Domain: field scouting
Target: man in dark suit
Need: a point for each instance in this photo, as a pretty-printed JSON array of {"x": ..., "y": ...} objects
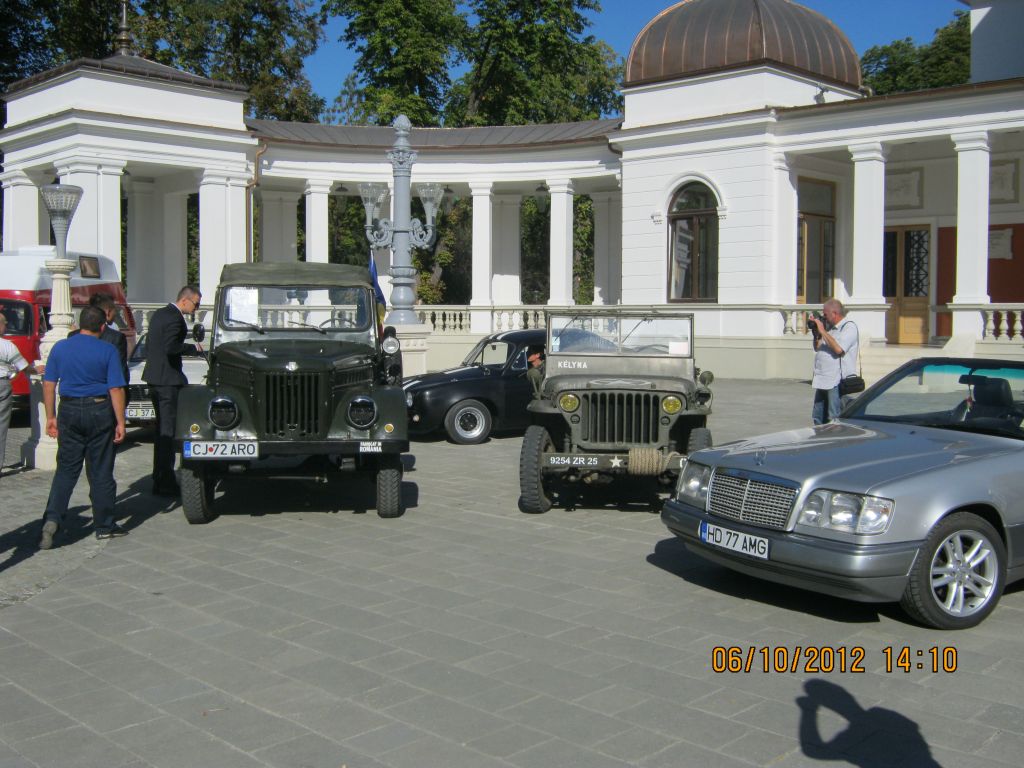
[{"x": 165, "y": 342}]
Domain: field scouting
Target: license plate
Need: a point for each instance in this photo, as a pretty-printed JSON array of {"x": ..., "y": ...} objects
[
  {"x": 141, "y": 413},
  {"x": 573, "y": 461},
  {"x": 744, "y": 543},
  {"x": 221, "y": 449}
]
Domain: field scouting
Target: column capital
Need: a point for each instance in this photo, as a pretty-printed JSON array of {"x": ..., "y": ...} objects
[
  {"x": 481, "y": 188},
  {"x": 279, "y": 196},
  {"x": 970, "y": 140},
  {"x": 223, "y": 178},
  {"x": 16, "y": 178},
  {"x": 102, "y": 167},
  {"x": 781, "y": 162},
  {"x": 873, "y": 150},
  {"x": 559, "y": 186},
  {"x": 318, "y": 186},
  {"x": 606, "y": 197}
]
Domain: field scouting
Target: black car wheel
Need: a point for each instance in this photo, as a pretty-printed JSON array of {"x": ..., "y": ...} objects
[
  {"x": 389, "y": 486},
  {"x": 958, "y": 576},
  {"x": 533, "y": 496},
  {"x": 197, "y": 489},
  {"x": 468, "y": 422},
  {"x": 700, "y": 437}
]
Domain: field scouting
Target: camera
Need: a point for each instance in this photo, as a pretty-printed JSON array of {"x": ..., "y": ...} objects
[{"x": 813, "y": 326}]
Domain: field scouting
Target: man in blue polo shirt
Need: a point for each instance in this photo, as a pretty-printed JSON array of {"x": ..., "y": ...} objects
[{"x": 89, "y": 423}]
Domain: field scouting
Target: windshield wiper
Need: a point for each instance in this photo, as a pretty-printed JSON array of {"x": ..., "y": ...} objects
[
  {"x": 633, "y": 330},
  {"x": 246, "y": 323},
  {"x": 321, "y": 331}
]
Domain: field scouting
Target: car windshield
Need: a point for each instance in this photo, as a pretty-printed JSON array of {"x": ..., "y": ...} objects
[
  {"x": 139, "y": 353},
  {"x": 489, "y": 353},
  {"x": 295, "y": 312},
  {"x": 638, "y": 335},
  {"x": 19, "y": 317},
  {"x": 986, "y": 397}
]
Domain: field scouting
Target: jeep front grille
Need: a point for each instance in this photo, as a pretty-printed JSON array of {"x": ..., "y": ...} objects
[
  {"x": 347, "y": 377},
  {"x": 292, "y": 405},
  {"x": 755, "y": 500},
  {"x": 620, "y": 418}
]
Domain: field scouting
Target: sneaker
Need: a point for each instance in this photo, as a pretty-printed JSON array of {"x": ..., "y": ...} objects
[
  {"x": 111, "y": 532},
  {"x": 49, "y": 531}
]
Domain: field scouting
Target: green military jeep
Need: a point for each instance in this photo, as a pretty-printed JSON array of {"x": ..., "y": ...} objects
[
  {"x": 620, "y": 396},
  {"x": 303, "y": 382}
]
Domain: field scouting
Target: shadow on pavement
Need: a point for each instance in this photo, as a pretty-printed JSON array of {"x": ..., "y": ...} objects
[
  {"x": 670, "y": 555},
  {"x": 872, "y": 737},
  {"x": 23, "y": 542}
]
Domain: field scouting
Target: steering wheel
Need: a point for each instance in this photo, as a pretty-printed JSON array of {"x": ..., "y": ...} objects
[{"x": 337, "y": 322}]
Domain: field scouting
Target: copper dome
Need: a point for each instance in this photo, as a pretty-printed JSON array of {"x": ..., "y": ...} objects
[{"x": 698, "y": 36}]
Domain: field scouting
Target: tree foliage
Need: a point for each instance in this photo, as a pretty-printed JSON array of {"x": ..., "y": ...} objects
[
  {"x": 405, "y": 49},
  {"x": 903, "y": 66},
  {"x": 530, "y": 63}
]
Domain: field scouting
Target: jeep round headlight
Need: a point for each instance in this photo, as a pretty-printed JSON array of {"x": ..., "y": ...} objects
[
  {"x": 568, "y": 402},
  {"x": 671, "y": 405},
  {"x": 362, "y": 412},
  {"x": 224, "y": 413},
  {"x": 390, "y": 345}
]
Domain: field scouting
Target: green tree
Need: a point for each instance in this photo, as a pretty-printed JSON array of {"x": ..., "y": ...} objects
[
  {"x": 24, "y": 40},
  {"x": 405, "y": 49},
  {"x": 530, "y": 63},
  {"x": 260, "y": 44},
  {"x": 902, "y": 66}
]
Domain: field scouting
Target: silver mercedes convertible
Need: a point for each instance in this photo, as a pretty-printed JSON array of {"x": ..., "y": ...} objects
[{"x": 916, "y": 495}]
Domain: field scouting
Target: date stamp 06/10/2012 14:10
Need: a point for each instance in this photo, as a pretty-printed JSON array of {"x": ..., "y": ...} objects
[{"x": 825, "y": 659}]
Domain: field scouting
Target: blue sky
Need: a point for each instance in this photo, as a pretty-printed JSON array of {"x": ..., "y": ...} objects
[{"x": 865, "y": 22}]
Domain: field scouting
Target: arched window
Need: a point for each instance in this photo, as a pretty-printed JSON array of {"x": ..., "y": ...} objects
[{"x": 693, "y": 244}]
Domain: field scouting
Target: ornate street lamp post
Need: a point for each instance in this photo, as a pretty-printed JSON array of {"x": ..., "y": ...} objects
[
  {"x": 61, "y": 201},
  {"x": 404, "y": 232}
]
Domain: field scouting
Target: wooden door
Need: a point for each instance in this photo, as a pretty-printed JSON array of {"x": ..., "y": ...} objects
[{"x": 906, "y": 284}]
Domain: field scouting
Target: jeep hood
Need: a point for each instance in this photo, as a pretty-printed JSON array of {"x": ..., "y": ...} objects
[
  {"x": 856, "y": 455},
  {"x": 319, "y": 355}
]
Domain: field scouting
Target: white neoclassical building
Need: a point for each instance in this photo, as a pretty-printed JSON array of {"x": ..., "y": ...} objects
[{"x": 749, "y": 178}]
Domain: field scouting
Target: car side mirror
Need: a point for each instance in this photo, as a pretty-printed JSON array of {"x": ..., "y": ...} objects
[{"x": 198, "y": 332}]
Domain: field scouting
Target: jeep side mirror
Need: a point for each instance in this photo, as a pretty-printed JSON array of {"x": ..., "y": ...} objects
[
  {"x": 706, "y": 377},
  {"x": 198, "y": 332}
]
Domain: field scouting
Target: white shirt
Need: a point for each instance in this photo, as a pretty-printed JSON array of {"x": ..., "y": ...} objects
[
  {"x": 829, "y": 367},
  {"x": 11, "y": 361}
]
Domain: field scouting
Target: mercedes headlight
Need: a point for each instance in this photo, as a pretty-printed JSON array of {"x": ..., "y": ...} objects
[
  {"x": 224, "y": 413},
  {"x": 568, "y": 402},
  {"x": 848, "y": 512},
  {"x": 362, "y": 412},
  {"x": 693, "y": 484}
]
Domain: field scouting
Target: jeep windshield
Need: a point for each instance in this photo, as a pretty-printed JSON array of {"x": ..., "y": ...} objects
[
  {"x": 639, "y": 335},
  {"x": 294, "y": 312}
]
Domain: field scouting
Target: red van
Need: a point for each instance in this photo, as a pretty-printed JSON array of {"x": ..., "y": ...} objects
[{"x": 25, "y": 285}]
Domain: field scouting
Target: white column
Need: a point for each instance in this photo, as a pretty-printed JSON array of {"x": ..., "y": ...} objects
[
  {"x": 868, "y": 223},
  {"x": 317, "y": 192},
  {"x": 173, "y": 272},
  {"x": 506, "y": 285},
  {"x": 607, "y": 207},
  {"x": 144, "y": 260},
  {"x": 972, "y": 180},
  {"x": 483, "y": 254},
  {"x": 561, "y": 242},
  {"x": 22, "y": 209},
  {"x": 222, "y": 224},
  {"x": 279, "y": 226},
  {"x": 787, "y": 210},
  {"x": 96, "y": 227}
]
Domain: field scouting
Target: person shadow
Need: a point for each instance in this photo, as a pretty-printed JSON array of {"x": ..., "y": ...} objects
[{"x": 870, "y": 738}]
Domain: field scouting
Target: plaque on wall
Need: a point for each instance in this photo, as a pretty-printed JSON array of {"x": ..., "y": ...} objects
[
  {"x": 1003, "y": 184},
  {"x": 1000, "y": 243},
  {"x": 904, "y": 188}
]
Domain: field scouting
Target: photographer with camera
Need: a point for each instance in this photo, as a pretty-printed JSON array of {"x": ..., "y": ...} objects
[{"x": 837, "y": 351}]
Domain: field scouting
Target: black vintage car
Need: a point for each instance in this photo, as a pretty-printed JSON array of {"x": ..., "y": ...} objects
[
  {"x": 488, "y": 392},
  {"x": 302, "y": 381}
]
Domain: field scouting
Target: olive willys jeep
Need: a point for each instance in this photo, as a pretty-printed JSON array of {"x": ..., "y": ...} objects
[
  {"x": 303, "y": 382},
  {"x": 620, "y": 396}
]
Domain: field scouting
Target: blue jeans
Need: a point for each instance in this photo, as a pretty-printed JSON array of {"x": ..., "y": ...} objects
[
  {"x": 826, "y": 405},
  {"x": 85, "y": 433}
]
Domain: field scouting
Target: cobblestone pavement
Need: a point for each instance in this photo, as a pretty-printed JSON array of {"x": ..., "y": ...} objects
[{"x": 299, "y": 629}]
